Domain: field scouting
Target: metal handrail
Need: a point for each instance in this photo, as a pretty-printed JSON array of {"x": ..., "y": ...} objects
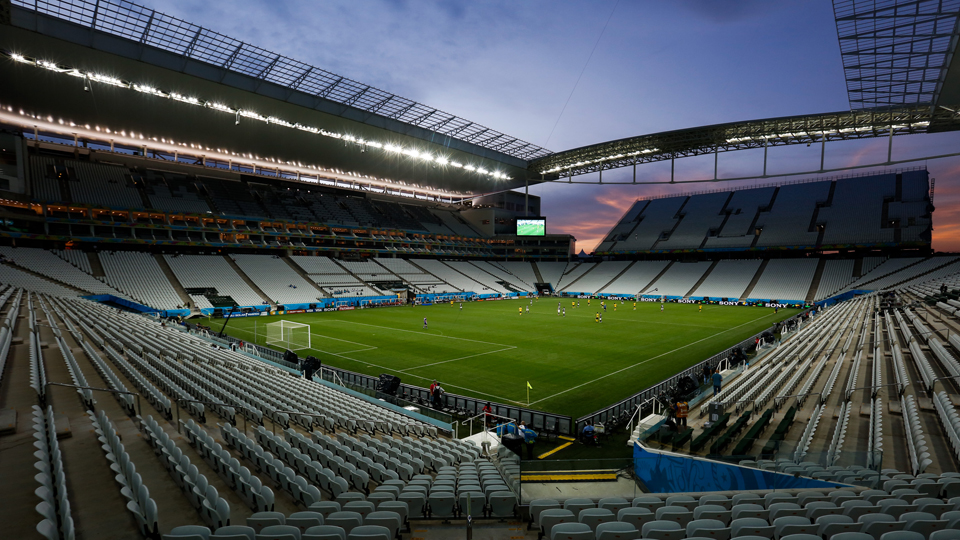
[{"x": 96, "y": 389}]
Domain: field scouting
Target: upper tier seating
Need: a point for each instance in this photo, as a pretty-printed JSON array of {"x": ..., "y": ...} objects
[
  {"x": 788, "y": 220},
  {"x": 105, "y": 185},
  {"x": 880, "y": 208},
  {"x": 743, "y": 208},
  {"x": 700, "y": 215}
]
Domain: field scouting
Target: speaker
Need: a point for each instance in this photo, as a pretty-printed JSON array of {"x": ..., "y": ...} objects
[
  {"x": 291, "y": 357},
  {"x": 389, "y": 384}
]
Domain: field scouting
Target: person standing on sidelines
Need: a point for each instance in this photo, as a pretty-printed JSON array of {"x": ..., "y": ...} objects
[
  {"x": 717, "y": 379},
  {"x": 681, "y": 413}
]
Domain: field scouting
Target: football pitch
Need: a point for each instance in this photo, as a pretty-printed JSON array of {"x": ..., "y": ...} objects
[{"x": 489, "y": 351}]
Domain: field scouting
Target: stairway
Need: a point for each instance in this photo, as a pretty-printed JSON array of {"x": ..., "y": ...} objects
[
  {"x": 753, "y": 282},
  {"x": 536, "y": 272},
  {"x": 246, "y": 279},
  {"x": 654, "y": 280},
  {"x": 701, "y": 280},
  {"x": 815, "y": 284},
  {"x": 358, "y": 278},
  {"x": 568, "y": 285},
  {"x": 411, "y": 261},
  {"x": 96, "y": 269},
  {"x": 172, "y": 278},
  {"x": 616, "y": 276},
  {"x": 296, "y": 268}
]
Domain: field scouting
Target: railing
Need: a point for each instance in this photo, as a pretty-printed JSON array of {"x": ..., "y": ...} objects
[{"x": 645, "y": 397}]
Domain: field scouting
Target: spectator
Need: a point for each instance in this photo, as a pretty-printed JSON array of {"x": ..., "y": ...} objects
[
  {"x": 681, "y": 409},
  {"x": 529, "y": 438},
  {"x": 717, "y": 379},
  {"x": 487, "y": 411}
]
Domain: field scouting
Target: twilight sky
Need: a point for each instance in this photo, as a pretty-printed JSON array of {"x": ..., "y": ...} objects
[{"x": 657, "y": 66}]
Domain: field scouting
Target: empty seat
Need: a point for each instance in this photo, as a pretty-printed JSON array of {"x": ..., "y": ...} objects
[
  {"x": 636, "y": 516},
  {"x": 344, "y": 519},
  {"x": 663, "y": 530},
  {"x": 751, "y": 526},
  {"x": 279, "y": 532},
  {"x": 616, "y": 530},
  {"x": 708, "y": 528},
  {"x": 788, "y": 525},
  {"x": 188, "y": 532},
  {"x": 234, "y": 532},
  {"x": 554, "y": 516},
  {"x": 260, "y": 520},
  {"x": 830, "y": 525},
  {"x": 577, "y": 504},
  {"x": 299, "y": 519},
  {"x": 370, "y": 532},
  {"x": 324, "y": 532},
  {"x": 595, "y": 516},
  {"x": 571, "y": 531},
  {"x": 876, "y": 525}
]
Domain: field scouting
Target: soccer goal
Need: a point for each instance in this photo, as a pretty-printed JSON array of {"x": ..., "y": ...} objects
[{"x": 289, "y": 335}]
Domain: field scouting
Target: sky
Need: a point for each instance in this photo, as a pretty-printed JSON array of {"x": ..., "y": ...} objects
[{"x": 564, "y": 74}]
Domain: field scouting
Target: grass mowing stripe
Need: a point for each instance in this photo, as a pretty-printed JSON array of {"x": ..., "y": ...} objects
[{"x": 644, "y": 361}]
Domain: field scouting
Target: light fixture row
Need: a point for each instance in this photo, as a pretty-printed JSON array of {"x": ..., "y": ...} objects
[
  {"x": 412, "y": 153},
  {"x": 327, "y": 176}
]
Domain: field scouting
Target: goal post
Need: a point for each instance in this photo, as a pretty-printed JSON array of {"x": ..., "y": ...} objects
[{"x": 288, "y": 335}]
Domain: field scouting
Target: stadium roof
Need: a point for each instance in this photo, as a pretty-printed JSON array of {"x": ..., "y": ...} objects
[
  {"x": 149, "y": 27},
  {"x": 806, "y": 129},
  {"x": 899, "y": 52}
]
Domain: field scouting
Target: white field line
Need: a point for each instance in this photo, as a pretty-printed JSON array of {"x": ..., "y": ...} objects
[
  {"x": 456, "y": 359},
  {"x": 478, "y": 392},
  {"x": 645, "y": 361},
  {"x": 419, "y": 332}
]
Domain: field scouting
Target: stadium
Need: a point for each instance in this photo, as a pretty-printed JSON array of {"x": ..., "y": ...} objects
[{"x": 245, "y": 297}]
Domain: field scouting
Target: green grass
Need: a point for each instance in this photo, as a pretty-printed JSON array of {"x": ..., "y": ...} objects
[{"x": 488, "y": 351}]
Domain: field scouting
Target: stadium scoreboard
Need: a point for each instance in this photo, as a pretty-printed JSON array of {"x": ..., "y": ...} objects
[{"x": 532, "y": 227}]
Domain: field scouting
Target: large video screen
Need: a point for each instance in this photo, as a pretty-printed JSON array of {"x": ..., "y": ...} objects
[{"x": 532, "y": 227}]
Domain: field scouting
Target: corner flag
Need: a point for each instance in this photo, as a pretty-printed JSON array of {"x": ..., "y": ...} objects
[
  {"x": 528, "y": 385},
  {"x": 529, "y": 388}
]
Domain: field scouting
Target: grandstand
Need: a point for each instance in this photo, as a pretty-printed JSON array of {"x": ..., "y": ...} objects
[{"x": 126, "y": 256}]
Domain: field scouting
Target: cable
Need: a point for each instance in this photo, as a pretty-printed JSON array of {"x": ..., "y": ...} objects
[{"x": 574, "y": 89}]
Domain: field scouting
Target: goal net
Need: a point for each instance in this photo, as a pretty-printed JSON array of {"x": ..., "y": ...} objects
[{"x": 289, "y": 335}]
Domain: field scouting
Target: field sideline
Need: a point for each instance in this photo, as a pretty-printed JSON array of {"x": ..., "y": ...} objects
[{"x": 488, "y": 351}]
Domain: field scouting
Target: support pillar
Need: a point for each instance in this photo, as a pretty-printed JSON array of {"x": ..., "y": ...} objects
[
  {"x": 890, "y": 145},
  {"x": 764, "y": 159},
  {"x": 823, "y": 150}
]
